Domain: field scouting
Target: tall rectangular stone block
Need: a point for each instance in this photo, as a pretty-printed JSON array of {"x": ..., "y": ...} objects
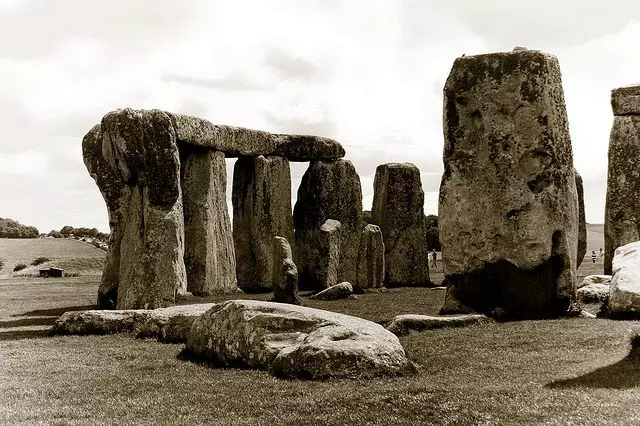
[{"x": 508, "y": 209}]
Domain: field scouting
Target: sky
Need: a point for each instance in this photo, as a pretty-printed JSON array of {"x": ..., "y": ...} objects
[{"x": 368, "y": 73}]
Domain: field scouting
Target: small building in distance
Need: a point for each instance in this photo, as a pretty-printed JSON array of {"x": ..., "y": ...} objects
[{"x": 51, "y": 272}]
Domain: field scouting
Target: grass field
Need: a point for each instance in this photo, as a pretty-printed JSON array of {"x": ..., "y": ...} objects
[
  {"x": 568, "y": 371},
  {"x": 76, "y": 257}
]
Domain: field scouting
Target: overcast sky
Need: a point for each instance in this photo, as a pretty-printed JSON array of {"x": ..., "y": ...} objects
[{"x": 368, "y": 73}]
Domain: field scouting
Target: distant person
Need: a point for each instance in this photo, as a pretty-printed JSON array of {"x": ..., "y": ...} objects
[
  {"x": 434, "y": 258},
  {"x": 593, "y": 256},
  {"x": 601, "y": 253}
]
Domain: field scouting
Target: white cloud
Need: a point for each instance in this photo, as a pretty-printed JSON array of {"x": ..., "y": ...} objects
[{"x": 25, "y": 163}]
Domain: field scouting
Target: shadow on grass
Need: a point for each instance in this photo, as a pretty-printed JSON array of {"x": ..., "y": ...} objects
[
  {"x": 624, "y": 374},
  {"x": 24, "y": 334},
  {"x": 26, "y": 322},
  {"x": 55, "y": 311}
]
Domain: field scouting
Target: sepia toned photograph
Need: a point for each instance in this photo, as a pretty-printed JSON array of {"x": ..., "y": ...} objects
[{"x": 319, "y": 212}]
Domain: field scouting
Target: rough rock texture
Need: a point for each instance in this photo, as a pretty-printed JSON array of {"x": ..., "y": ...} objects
[
  {"x": 404, "y": 324},
  {"x": 624, "y": 293},
  {"x": 508, "y": 209},
  {"x": 117, "y": 196},
  {"x": 237, "y": 141},
  {"x": 322, "y": 255},
  {"x": 626, "y": 100},
  {"x": 622, "y": 208},
  {"x": 261, "y": 210},
  {"x": 209, "y": 251},
  {"x": 595, "y": 279},
  {"x": 170, "y": 324},
  {"x": 329, "y": 190},
  {"x": 141, "y": 146},
  {"x": 284, "y": 276},
  {"x": 398, "y": 209},
  {"x": 593, "y": 293},
  {"x": 582, "y": 222},
  {"x": 294, "y": 341},
  {"x": 371, "y": 266},
  {"x": 335, "y": 292}
]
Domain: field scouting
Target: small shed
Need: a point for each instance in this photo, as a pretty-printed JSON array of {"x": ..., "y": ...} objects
[{"x": 52, "y": 272}]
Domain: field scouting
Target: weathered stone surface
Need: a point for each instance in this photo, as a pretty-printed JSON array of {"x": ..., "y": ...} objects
[
  {"x": 371, "y": 266},
  {"x": 582, "y": 222},
  {"x": 404, "y": 324},
  {"x": 141, "y": 145},
  {"x": 622, "y": 209},
  {"x": 170, "y": 324},
  {"x": 295, "y": 341},
  {"x": 593, "y": 293},
  {"x": 398, "y": 209},
  {"x": 116, "y": 195},
  {"x": 595, "y": 279},
  {"x": 238, "y": 141},
  {"x": 335, "y": 292},
  {"x": 284, "y": 276},
  {"x": 329, "y": 190},
  {"x": 624, "y": 293},
  {"x": 261, "y": 211},
  {"x": 209, "y": 251},
  {"x": 508, "y": 209},
  {"x": 322, "y": 255},
  {"x": 367, "y": 217},
  {"x": 626, "y": 100}
]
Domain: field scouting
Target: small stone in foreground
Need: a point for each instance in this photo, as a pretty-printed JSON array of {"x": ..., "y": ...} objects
[
  {"x": 404, "y": 324},
  {"x": 336, "y": 292},
  {"x": 284, "y": 278}
]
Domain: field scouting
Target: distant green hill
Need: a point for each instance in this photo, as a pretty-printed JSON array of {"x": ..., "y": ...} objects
[{"x": 10, "y": 228}]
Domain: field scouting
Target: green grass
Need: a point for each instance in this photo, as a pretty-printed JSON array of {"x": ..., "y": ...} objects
[{"x": 569, "y": 371}]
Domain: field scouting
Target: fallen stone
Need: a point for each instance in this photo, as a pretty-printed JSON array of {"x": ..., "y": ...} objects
[
  {"x": 295, "y": 342},
  {"x": 141, "y": 146},
  {"x": 404, "y": 324},
  {"x": 582, "y": 223},
  {"x": 371, "y": 267},
  {"x": 593, "y": 293},
  {"x": 238, "y": 141},
  {"x": 209, "y": 255},
  {"x": 587, "y": 315},
  {"x": 170, "y": 324},
  {"x": 595, "y": 279},
  {"x": 622, "y": 208},
  {"x": 624, "y": 292},
  {"x": 335, "y": 292},
  {"x": 508, "y": 208},
  {"x": 398, "y": 209},
  {"x": 328, "y": 190},
  {"x": 284, "y": 276},
  {"x": 261, "y": 211},
  {"x": 117, "y": 196}
]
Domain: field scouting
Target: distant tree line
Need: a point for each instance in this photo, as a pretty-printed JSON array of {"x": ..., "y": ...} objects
[
  {"x": 10, "y": 228},
  {"x": 68, "y": 231}
]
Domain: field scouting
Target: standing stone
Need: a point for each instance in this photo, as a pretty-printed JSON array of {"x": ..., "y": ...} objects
[
  {"x": 141, "y": 146},
  {"x": 622, "y": 209},
  {"x": 117, "y": 196},
  {"x": 329, "y": 190},
  {"x": 209, "y": 253},
  {"x": 398, "y": 209},
  {"x": 323, "y": 257},
  {"x": 285, "y": 274},
  {"x": 261, "y": 210},
  {"x": 582, "y": 222},
  {"x": 508, "y": 210},
  {"x": 371, "y": 259},
  {"x": 624, "y": 292}
]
